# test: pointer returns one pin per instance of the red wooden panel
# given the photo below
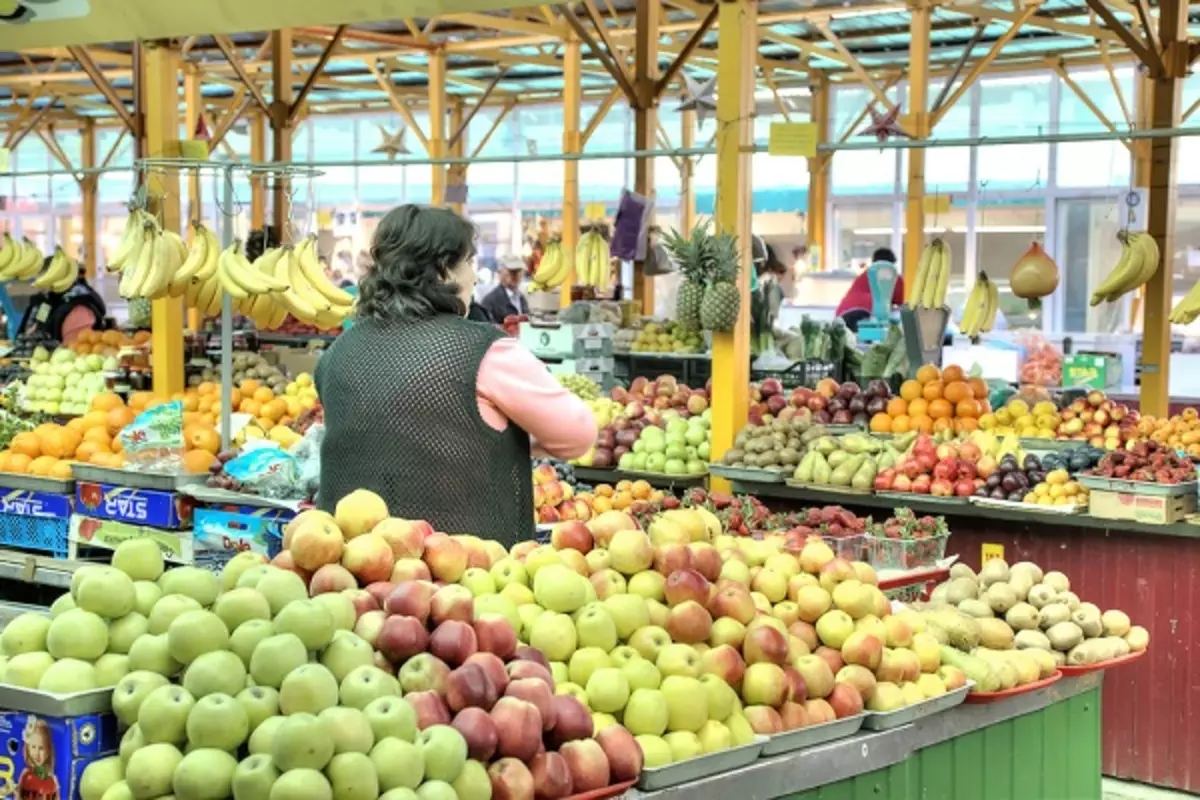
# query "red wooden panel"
(1149, 705)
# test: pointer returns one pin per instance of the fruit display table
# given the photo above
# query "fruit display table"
(1045, 744)
(1146, 570)
(693, 369)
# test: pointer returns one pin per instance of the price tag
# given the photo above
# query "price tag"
(937, 203)
(792, 139)
(595, 211)
(43, 312)
(991, 552)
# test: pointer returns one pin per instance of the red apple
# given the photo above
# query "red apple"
(689, 622)
(446, 557)
(624, 754)
(493, 666)
(764, 720)
(406, 537)
(845, 700)
(765, 643)
(519, 670)
(527, 653)
(495, 634)
(588, 764)
(453, 642)
(362, 600)
(686, 584)
(511, 780)
(477, 727)
(572, 535)
(793, 715)
(430, 708)
(369, 626)
(401, 638)
(572, 720)
(452, 602)
(411, 599)
(519, 728)
(410, 569)
(470, 686)
(669, 558)
(537, 692)
(331, 578)
(706, 560)
(551, 776)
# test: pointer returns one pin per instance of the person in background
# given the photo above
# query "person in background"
(856, 305)
(426, 408)
(800, 264)
(64, 315)
(507, 298)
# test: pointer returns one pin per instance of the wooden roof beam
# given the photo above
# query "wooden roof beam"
(982, 64)
(315, 72)
(97, 77)
(227, 50)
(690, 45)
(1145, 53)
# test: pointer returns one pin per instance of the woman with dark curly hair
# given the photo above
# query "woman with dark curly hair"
(434, 413)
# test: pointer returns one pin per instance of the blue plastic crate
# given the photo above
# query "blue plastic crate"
(42, 534)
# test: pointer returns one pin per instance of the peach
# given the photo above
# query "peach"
(406, 537)
(689, 622)
(368, 557)
(764, 720)
(819, 711)
(358, 512)
(793, 715)
(863, 649)
(605, 525)
(285, 561)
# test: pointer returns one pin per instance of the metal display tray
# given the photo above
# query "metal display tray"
(162, 481)
(1033, 508)
(1137, 487)
(812, 735)
(35, 483)
(825, 487)
(50, 704)
(208, 494)
(904, 497)
(877, 721)
(695, 769)
(747, 474)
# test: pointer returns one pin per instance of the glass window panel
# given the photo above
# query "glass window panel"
(1017, 105)
(32, 155)
(859, 171)
(1003, 233)
(1187, 164)
(601, 181)
(860, 231)
(947, 169)
(1085, 164)
(1088, 231)
(1187, 252)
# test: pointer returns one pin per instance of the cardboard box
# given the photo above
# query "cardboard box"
(1148, 509)
(1094, 370)
(62, 746)
(176, 546)
(595, 368)
(135, 506)
(24, 503)
(222, 532)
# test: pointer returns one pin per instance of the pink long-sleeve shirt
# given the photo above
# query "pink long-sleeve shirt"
(514, 386)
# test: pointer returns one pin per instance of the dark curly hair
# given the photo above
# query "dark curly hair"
(414, 251)
(259, 241)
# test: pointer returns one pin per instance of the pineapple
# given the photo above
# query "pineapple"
(722, 299)
(693, 255)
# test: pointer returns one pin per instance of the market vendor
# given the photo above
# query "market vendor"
(62, 316)
(856, 305)
(507, 299)
(436, 414)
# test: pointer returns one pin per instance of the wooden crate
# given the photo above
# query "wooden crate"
(1149, 509)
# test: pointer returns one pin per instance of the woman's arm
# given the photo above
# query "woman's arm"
(513, 385)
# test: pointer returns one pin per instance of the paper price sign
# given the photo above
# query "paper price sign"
(792, 139)
(595, 211)
(991, 552)
(937, 203)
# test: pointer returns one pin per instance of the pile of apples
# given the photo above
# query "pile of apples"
(629, 411)
(829, 402)
(1099, 421)
(63, 382)
(554, 499)
(948, 469)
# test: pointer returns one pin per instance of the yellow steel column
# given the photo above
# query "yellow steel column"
(457, 172)
(819, 173)
(1167, 85)
(918, 126)
(159, 87)
(571, 142)
(281, 126)
(87, 190)
(258, 188)
(687, 172)
(645, 124)
(193, 107)
(437, 124)
(736, 57)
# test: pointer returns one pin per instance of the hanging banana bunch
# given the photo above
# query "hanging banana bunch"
(20, 259)
(59, 275)
(1137, 264)
(929, 288)
(282, 281)
(979, 313)
(552, 270)
(592, 259)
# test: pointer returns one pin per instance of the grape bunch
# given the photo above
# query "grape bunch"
(581, 386)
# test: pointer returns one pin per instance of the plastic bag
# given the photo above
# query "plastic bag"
(1043, 361)
(154, 442)
(307, 453)
(265, 468)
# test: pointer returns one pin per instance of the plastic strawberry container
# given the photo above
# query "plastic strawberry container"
(853, 547)
(905, 554)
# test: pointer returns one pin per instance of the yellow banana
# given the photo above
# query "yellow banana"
(54, 271)
(299, 308)
(231, 286)
(314, 273)
(197, 254)
(133, 276)
(127, 246)
(300, 286)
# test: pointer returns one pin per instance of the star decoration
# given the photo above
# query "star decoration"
(698, 97)
(392, 144)
(884, 126)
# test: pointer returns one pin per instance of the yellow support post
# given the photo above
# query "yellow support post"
(193, 107)
(282, 126)
(87, 190)
(571, 143)
(1166, 88)
(687, 172)
(736, 58)
(645, 124)
(918, 127)
(457, 173)
(819, 175)
(159, 87)
(437, 124)
(258, 187)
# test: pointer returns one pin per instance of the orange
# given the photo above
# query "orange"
(941, 409)
(927, 373)
(622, 500)
(42, 465)
(881, 423)
(286, 421)
(979, 388)
(918, 407)
(604, 490)
(957, 391)
(86, 450)
(98, 436)
(106, 401)
(19, 463)
(601, 504)
(191, 418)
(209, 418)
(953, 373)
(27, 444)
(202, 437)
(56, 444)
(910, 390)
(932, 390)
(249, 406)
(235, 398)
(264, 395)
(206, 403)
(197, 461)
(117, 419)
(250, 386)
(141, 337)
(922, 423)
(5, 455)
(274, 409)
(191, 402)
(78, 425)
(642, 489)
(293, 406)
(96, 418)
(901, 424)
(966, 424)
(44, 428)
(207, 387)
(138, 400)
(967, 408)
(897, 406)
(111, 338)
(943, 424)
(265, 423)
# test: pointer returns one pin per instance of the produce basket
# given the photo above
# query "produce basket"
(852, 547)
(802, 373)
(982, 698)
(905, 554)
(812, 735)
(882, 721)
(1112, 662)
(1138, 487)
(747, 474)
(701, 767)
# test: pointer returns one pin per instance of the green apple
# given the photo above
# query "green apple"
(649, 641)
(168, 607)
(163, 715)
(218, 671)
(109, 593)
(641, 674)
(281, 587)
(508, 570)
(560, 671)
(646, 712)
(499, 605)
(629, 613)
(684, 745)
(352, 776)
(308, 689)
(311, 621)
(131, 741)
(341, 607)
(436, 790)
(140, 559)
(275, 657)
(623, 654)
(559, 588)
(648, 585)
(585, 661)
(205, 773)
(473, 782)
(518, 594)
(678, 659)
(573, 689)
(655, 751)
(392, 718)
(687, 703)
(349, 729)
(714, 737)
(299, 743)
(150, 770)
(194, 633)
(398, 763)
(247, 636)
(445, 752)
(150, 653)
(596, 628)
(365, 684)
(540, 557)
(77, 634)
(722, 699)
(478, 581)
(99, 776)
(301, 784)
(527, 614)
(64, 603)
(123, 632)
(254, 777)
(131, 691)
(219, 721)
(259, 703)
(110, 668)
(68, 675)
(607, 690)
(263, 737)
(346, 653)
(238, 605)
(740, 730)
(237, 566)
(26, 633)
(26, 670)
(600, 721)
(199, 584)
(146, 594)
(553, 634)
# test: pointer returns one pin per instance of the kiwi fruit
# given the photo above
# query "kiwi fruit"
(1057, 581)
(994, 571)
(1060, 658)
(1116, 623)
(1000, 596)
(1118, 645)
(939, 594)
(1031, 639)
(1020, 583)
(1023, 617)
(1088, 620)
(995, 634)
(1085, 653)
(975, 608)
(1053, 614)
(961, 570)
(1064, 635)
(1045, 661)
(961, 589)
(1027, 568)
(1138, 639)
(1070, 599)
(1041, 595)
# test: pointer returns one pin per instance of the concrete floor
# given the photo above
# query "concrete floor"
(1127, 790)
